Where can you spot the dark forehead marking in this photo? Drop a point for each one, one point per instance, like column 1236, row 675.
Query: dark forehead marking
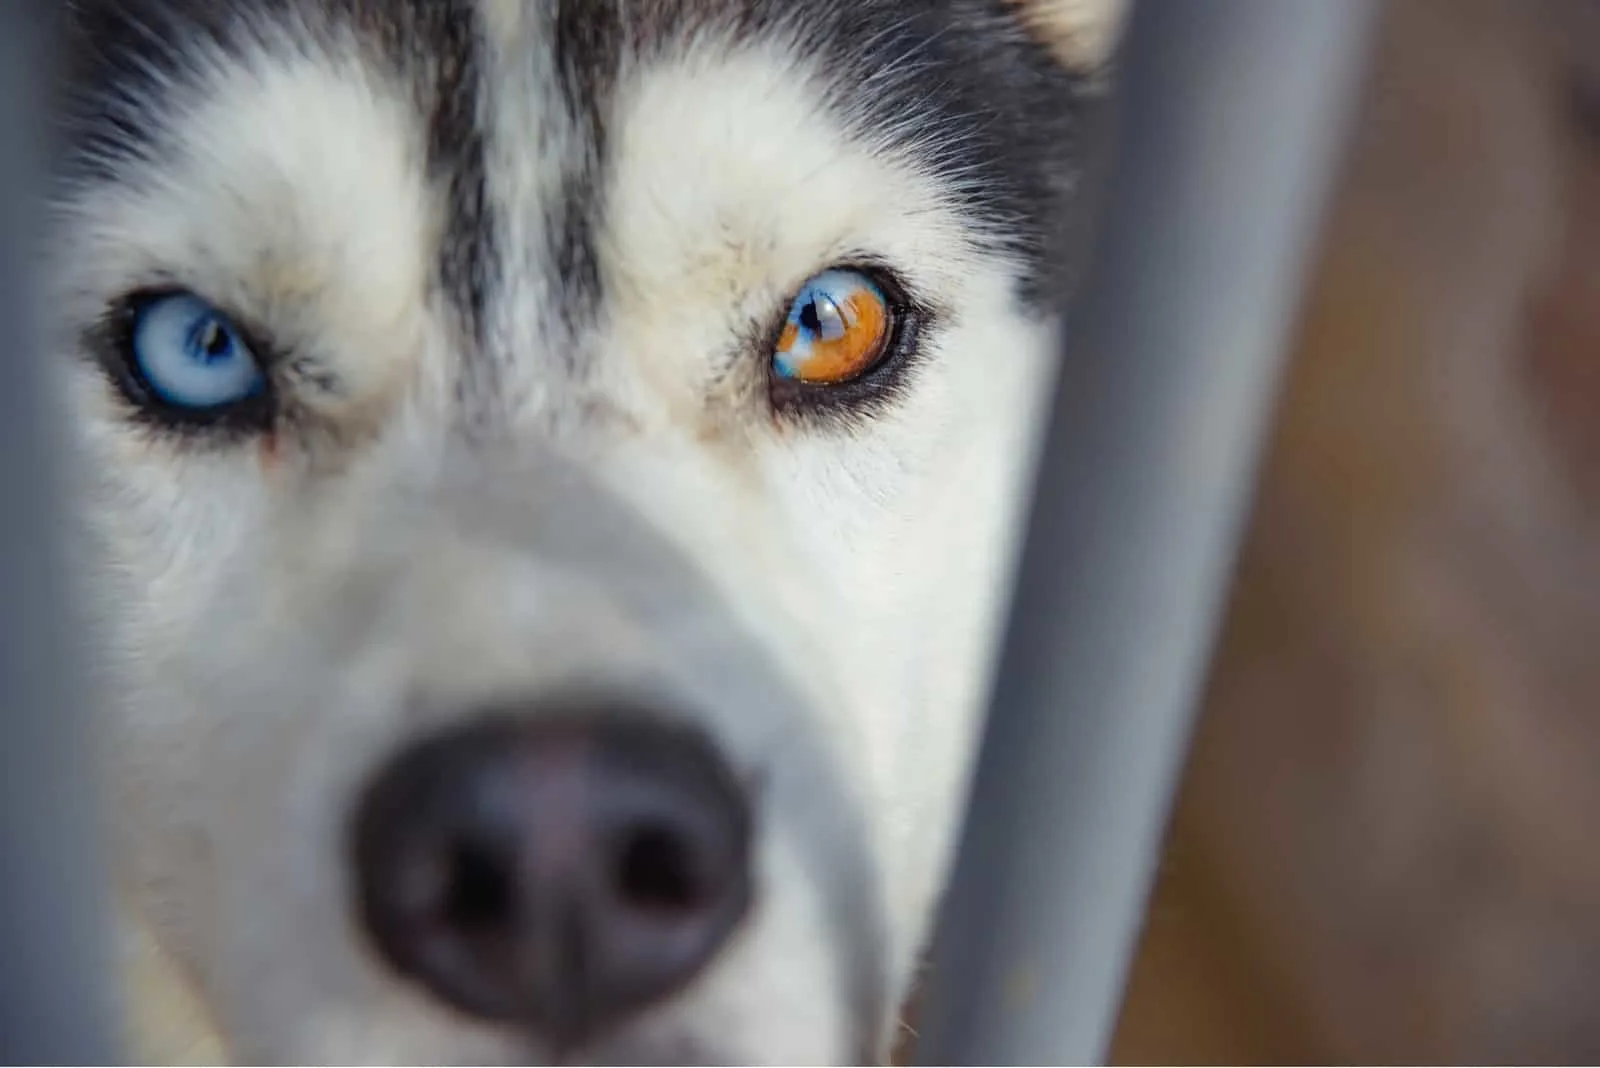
column 588, row 41
column 126, row 60
column 456, row 151
column 995, row 113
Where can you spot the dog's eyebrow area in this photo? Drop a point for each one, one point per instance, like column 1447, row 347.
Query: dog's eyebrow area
column 756, row 87
column 287, row 187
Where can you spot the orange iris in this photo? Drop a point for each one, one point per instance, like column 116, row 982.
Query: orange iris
column 837, row 330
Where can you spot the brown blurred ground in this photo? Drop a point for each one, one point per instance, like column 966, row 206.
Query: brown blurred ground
column 1385, row 850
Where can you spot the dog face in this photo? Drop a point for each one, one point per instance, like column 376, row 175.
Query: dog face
column 551, row 471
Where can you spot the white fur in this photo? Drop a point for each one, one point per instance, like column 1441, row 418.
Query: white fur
column 870, row 564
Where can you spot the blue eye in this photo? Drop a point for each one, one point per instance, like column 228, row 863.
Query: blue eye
column 190, row 357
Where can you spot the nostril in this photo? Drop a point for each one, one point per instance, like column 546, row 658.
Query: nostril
column 480, row 894
column 656, row 872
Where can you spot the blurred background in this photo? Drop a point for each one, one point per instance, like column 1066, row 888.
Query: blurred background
column 1384, row 849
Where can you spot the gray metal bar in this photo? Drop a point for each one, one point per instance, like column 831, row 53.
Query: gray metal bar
column 55, row 1007
column 1231, row 118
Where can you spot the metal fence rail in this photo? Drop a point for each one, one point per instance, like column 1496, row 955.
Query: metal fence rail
column 1230, row 123
column 55, row 1005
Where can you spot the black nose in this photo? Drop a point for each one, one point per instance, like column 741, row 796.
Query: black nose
column 553, row 871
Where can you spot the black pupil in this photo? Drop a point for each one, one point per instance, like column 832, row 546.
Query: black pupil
column 810, row 318
column 480, row 892
column 214, row 339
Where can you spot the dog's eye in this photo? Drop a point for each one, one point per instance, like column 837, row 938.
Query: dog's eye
column 188, row 358
column 837, row 330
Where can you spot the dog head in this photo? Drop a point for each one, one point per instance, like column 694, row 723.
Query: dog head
column 551, row 470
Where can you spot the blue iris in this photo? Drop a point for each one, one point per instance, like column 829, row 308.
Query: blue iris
column 191, row 357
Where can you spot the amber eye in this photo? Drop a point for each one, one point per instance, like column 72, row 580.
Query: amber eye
column 837, row 330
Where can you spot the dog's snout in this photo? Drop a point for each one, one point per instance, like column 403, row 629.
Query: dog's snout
column 553, row 871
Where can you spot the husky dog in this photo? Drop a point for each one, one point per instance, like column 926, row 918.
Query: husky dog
column 551, row 470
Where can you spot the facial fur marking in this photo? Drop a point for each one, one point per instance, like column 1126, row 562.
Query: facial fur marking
column 587, row 41
column 456, row 156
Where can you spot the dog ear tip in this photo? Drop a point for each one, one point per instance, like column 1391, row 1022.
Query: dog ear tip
column 1082, row 34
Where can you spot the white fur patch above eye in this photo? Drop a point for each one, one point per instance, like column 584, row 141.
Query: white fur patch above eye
column 289, row 191
column 731, row 185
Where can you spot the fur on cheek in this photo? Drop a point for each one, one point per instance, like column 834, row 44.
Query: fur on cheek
column 166, row 1020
